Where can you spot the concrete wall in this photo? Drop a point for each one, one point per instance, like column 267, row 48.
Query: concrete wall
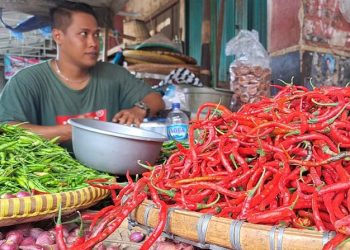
column 284, row 24
column 325, row 26
column 309, row 39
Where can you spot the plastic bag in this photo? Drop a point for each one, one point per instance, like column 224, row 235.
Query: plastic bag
column 247, row 49
column 250, row 72
column 174, row 93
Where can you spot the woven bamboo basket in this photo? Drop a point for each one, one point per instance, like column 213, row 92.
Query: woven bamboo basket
column 231, row 234
column 40, row 207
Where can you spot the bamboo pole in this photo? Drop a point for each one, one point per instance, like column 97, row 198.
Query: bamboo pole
column 184, row 223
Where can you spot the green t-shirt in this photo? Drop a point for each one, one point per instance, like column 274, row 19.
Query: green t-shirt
column 36, row 95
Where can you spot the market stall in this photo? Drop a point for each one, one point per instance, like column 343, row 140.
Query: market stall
column 232, row 160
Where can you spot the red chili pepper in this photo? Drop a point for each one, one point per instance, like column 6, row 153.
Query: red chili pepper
column 88, row 216
column 327, row 200
column 159, row 229
column 269, row 192
column 344, row 176
column 309, row 137
column 193, row 151
column 240, row 160
column 243, row 178
column 223, row 109
column 223, row 158
column 339, row 197
column 336, row 187
column 348, row 200
column 333, row 243
column 254, row 178
column 97, row 216
column 271, row 216
column 212, row 186
column 336, row 135
column 59, row 231
column 130, row 205
column 248, row 199
column 320, row 163
column 318, row 221
column 285, row 193
column 200, row 178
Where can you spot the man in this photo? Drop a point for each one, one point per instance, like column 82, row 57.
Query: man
column 46, row 95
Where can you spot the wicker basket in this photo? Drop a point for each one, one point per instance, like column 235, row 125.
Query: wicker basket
column 40, row 207
column 206, row 230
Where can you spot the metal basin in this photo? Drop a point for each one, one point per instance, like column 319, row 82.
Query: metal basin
column 195, row 97
column 112, row 147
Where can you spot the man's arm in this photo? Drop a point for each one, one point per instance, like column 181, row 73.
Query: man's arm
column 155, row 102
column 64, row 132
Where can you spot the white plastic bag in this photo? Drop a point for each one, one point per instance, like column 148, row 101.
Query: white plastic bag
column 248, row 50
column 250, row 73
column 174, row 93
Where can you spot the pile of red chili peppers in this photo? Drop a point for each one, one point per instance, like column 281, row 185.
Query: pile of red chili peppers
column 284, row 160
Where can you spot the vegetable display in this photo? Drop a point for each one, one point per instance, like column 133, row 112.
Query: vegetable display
column 31, row 237
column 31, row 164
column 284, row 160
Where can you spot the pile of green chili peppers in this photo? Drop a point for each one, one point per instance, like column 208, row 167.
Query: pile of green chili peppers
column 168, row 148
column 29, row 162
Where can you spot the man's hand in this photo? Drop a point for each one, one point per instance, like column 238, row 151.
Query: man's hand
column 131, row 116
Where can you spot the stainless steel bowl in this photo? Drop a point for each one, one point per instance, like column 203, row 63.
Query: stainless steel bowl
column 112, row 147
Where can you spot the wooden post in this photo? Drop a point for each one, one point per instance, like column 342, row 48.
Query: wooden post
column 205, row 59
column 219, row 39
column 105, row 45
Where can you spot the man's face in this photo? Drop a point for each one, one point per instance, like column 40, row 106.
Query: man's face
column 80, row 41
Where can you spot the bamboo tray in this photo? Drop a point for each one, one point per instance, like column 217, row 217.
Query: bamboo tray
column 40, row 207
column 231, row 234
column 151, row 57
column 164, row 69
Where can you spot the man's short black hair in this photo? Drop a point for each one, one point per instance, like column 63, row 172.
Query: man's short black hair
column 61, row 15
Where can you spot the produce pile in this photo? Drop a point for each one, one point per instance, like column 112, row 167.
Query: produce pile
column 42, row 236
column 283, row 160
column 30, row 164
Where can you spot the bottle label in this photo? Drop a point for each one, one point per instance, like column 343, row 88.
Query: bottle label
column 177, row 132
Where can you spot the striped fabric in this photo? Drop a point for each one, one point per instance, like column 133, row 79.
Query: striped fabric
column 46, row 205
column 180, row 76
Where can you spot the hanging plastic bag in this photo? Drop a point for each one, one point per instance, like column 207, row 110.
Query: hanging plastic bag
column 250, row 72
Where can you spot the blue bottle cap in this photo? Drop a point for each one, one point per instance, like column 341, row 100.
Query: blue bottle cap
column 175, row 105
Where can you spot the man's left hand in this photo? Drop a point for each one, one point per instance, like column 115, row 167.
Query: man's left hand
column 133, row 116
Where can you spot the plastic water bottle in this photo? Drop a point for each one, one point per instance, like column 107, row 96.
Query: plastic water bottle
column 177, row 124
